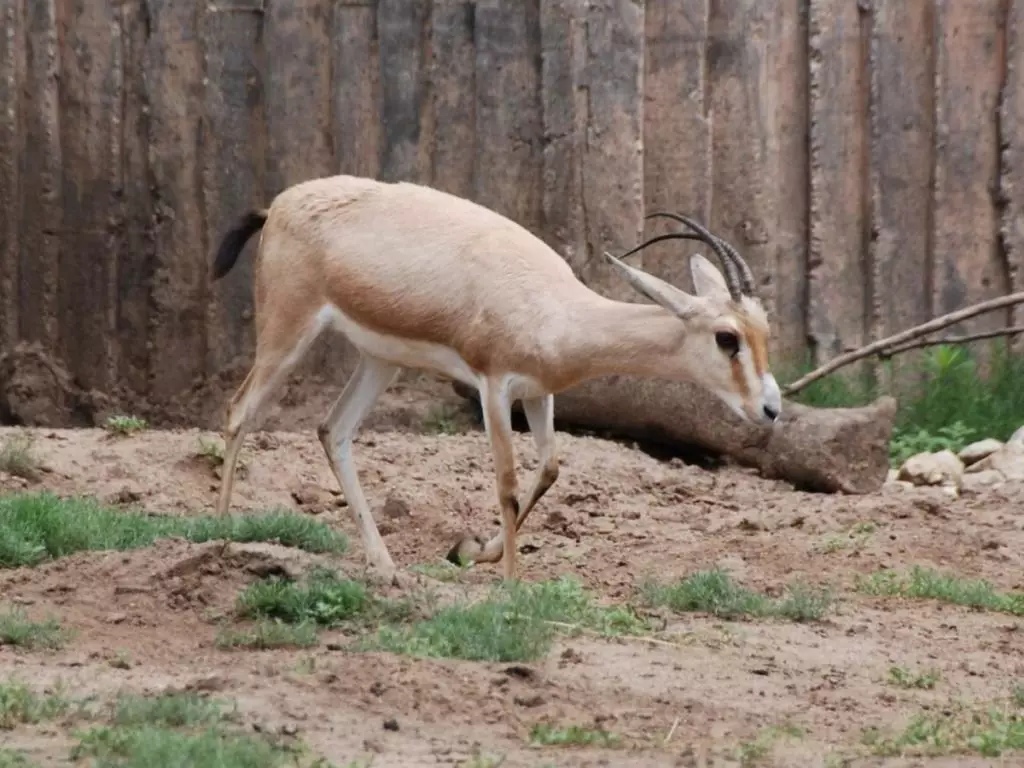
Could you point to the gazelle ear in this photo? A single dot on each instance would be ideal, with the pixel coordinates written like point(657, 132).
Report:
point(657, 290)
point(707, 278)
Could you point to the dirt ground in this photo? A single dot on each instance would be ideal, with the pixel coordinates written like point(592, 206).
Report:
point(615, 517)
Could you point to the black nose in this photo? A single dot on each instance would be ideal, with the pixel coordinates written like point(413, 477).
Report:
point(771, 413)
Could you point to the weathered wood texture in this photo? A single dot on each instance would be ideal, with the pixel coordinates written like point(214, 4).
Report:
point(868, 158)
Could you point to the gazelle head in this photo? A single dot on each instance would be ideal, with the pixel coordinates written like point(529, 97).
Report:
point(726, 344)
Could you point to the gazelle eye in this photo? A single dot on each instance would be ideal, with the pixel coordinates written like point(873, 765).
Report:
point(728, 342)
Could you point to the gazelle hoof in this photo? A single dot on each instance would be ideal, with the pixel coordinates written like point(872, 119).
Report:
point(466, 551)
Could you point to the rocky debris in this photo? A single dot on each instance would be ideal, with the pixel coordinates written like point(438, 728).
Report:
point(941, 468)
point(1008, 461)
point(1018, 436)
point(982, 479)
point(978, 450)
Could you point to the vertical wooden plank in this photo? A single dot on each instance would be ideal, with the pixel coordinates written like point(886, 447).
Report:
point(401, 25)
point(172, 77)
point(12, 73)
point(902, 116)
point(136, 252)
point(355, 74)
point(969, 63)
point(789, 61)
point(677, 132)
point(742, 104)
point(1012, 139)
point(452, 74)
point(509, 123)
point(232, 162)
point(612, 172)
point(839, 159)
point(90, 105)
point(562, 56)
point(297, 43)
point(41, 221)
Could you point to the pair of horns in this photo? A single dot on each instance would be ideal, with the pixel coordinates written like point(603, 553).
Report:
point(738, 277)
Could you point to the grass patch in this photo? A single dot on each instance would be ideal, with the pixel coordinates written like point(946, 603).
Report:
point(170, 710)
point(40, 526)
point(907, 678)
point(18, 457)
point(928, 584)
point(11, 758)
point(946, 403)
point(267, 634)
point(571, 735)
point(750, 752)
point(18, 630)
point(324, 599)
point(20, 705)
point(446, 419)
point(125, 425)
point(988, 733)
point(1017, 695)
point(715, 592)
point(516, 622)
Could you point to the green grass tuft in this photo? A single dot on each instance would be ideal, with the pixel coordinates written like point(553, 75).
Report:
point(516, 622)
point(17, 456)
point(41, 526)
point(928, 584)
point(325, 599)
point(268, 634)
point(716, 593)
point(125, 425)
point(907, 678)
point(572, 735)
point(169, 710)
point(988, 733)
point(16, 629)
point(947, 403)
point(19, 705)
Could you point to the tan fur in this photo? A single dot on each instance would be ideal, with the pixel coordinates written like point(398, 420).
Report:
point(420, 278)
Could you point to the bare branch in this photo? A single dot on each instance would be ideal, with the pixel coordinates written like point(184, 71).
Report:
point(936, 324)
point(921, 343)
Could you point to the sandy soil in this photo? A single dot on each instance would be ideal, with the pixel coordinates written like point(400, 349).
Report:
point(615, 517)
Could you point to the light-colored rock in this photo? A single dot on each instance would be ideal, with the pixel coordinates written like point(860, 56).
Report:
point(1018, 436)
point(986, 478)
point(978, 450)
point(1009, 460)
point(941, 468)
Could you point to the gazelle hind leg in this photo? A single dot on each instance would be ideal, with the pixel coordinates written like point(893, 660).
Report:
point(540, 416)
point(371, 377)
point(279, 349)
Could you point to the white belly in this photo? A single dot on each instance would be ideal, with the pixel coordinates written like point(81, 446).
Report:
point(422, 355)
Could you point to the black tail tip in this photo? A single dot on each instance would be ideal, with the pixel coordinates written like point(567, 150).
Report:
point(234, 241)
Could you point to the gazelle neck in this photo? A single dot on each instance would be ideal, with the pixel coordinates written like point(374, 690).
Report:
point(616, 337)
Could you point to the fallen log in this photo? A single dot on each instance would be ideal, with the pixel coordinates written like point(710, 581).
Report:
point(828, 450)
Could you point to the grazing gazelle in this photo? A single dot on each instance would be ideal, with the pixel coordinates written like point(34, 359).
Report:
point(417, 278)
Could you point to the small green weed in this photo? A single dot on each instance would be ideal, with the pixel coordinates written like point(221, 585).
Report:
point(268, 634)
point(148, 745)
point(988, 733)
point(16, 629)
point(39, 527)
point(750, 752)
point(716, 593)
point(324, 599)
point(1017, 695)
point(211, 449)
point(854, 539)
point(18, 457)
point(517, 622)
point(446, 419)
point(928, 584)
point(951, 437)
point(10, 758)
point(572, 735)
point(19, 704)
point(906, 678)
point(125, 425)
point(170, 710)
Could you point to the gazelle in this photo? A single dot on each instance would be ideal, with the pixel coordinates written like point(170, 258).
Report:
point(418, 278)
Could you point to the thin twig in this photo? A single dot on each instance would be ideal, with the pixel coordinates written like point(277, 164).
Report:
point(936, 324)
point(921, 343)
point(671, 731)
point(595, 633)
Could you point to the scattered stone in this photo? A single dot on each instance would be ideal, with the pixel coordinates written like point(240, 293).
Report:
point(941, 468)
point(533, 700)
point(1008, 460)
point(395, 508)
point(391, 724)
point(985, 478)
point(1018, 436)
point(312, 498)
point(978, 450)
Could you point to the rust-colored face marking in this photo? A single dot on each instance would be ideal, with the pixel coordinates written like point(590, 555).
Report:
point(742, 388)
point(757, 340)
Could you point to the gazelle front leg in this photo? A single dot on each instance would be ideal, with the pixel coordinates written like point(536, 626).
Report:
point(541, 420)
point(371, 377)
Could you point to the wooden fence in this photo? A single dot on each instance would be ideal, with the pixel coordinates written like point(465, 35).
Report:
point(866, 155)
